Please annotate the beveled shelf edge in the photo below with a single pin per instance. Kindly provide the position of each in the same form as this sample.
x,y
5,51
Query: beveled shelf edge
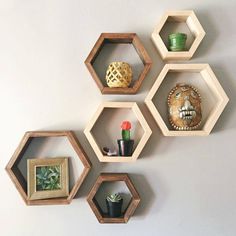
x,y
211,80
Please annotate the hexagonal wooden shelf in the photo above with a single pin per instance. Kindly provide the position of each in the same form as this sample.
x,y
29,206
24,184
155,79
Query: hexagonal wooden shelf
x,y
119,38
19,180
118,105
133,204
194,26
211,82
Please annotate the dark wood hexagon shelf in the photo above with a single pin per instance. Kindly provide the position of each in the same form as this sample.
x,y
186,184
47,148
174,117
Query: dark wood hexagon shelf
x,y
112,177
119,38
19,180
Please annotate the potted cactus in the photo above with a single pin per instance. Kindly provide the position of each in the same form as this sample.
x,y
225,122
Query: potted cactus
x,y
125,145
114,205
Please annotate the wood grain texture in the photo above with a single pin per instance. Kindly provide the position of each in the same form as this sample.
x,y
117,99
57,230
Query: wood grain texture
x,y
132,206
118,105
212,82
119,38
194,26
20,182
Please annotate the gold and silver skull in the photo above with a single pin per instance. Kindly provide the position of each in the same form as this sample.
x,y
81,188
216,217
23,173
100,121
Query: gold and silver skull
x,y
184,103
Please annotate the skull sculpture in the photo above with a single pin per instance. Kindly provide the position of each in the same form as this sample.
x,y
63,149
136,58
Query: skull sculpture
x,y
184,103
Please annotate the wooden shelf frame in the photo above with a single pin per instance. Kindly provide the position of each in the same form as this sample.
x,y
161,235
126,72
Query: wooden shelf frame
x,y
20,182
194,26
112,177
118,105
119,38
212,82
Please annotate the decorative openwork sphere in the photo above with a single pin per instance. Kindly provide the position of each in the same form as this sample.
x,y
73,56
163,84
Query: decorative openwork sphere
x,y
184,102
119,75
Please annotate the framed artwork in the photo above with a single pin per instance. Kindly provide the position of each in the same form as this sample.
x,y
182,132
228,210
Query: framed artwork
x,y
47,178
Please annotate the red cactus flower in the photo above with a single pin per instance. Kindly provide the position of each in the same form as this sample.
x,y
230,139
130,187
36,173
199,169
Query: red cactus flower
x,y
126,125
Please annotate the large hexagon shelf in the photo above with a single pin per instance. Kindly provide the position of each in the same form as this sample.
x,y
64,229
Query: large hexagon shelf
x,y
210,86
94,141
19,180
194,26
112,177
119,38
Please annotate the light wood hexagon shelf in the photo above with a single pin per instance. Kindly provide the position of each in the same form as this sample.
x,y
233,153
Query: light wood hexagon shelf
x,y
112,177
19,180
139,116
119,38
194,26
211,82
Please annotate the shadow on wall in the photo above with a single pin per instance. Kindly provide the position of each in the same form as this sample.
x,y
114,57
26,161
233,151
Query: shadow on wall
x,y
94,172
157,62
211,29
215,34
146,194
157,143
222,67
226,120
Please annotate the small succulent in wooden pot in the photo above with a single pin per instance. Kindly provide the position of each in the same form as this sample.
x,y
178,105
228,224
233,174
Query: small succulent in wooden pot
x,y
184,103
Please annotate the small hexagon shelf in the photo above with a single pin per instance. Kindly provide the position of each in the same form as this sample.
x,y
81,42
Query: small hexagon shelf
x,y
214,99
196,32
19,180
132,205
119,38
95,136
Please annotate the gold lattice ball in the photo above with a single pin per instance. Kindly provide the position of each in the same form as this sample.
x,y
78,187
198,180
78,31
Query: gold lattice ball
x,y
119,74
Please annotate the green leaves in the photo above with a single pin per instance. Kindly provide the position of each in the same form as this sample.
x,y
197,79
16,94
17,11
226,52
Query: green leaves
x,y
48,178
114,197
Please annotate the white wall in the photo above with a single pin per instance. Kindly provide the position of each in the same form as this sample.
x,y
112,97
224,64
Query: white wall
x,y
187,185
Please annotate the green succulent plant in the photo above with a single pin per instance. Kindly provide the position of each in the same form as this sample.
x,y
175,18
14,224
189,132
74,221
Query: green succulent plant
x,y
48,178
114,197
